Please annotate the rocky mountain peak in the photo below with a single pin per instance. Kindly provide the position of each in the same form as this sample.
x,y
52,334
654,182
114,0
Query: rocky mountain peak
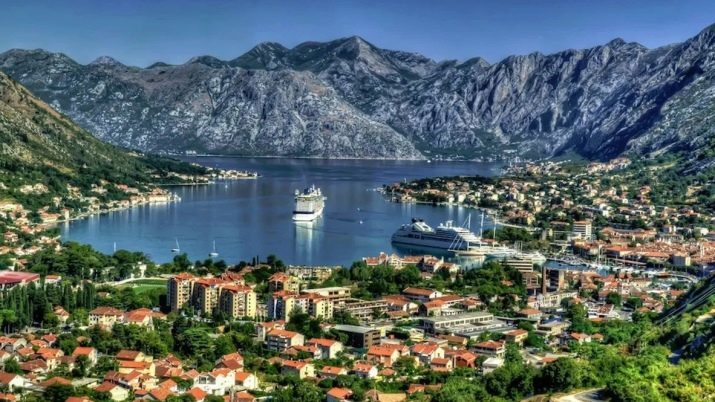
x,y
106,61
209,61
348,97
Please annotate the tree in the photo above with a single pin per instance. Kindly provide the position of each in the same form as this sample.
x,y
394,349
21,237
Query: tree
x,y
408,276
12,366
614,299
458,389
194,342
535,341
58,392
561,375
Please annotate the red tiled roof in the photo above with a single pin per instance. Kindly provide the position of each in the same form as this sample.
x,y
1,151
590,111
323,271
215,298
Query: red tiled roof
x,y
340,393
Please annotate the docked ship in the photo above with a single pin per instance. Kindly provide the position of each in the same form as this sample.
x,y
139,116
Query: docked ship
x,y
309,204
446,236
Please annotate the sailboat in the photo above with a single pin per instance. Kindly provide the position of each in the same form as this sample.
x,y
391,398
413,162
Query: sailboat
x,y
177,249
470,249
497,251
214,253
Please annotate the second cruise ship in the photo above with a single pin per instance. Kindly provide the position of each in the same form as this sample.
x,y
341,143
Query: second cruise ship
x,y
446,236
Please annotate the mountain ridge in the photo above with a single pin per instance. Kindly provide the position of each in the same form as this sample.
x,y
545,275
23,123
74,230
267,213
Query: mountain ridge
x,y
350,98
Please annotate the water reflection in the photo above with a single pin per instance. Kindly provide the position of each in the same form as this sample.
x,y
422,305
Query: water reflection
x,y
254,217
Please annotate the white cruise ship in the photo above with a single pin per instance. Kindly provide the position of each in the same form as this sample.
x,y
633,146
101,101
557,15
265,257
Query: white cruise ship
x,y
446,236
309,204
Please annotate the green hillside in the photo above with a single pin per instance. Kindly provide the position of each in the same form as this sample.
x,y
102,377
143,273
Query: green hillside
x,y
39,146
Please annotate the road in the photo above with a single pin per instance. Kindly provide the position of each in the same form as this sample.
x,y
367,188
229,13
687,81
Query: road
x,y
590,395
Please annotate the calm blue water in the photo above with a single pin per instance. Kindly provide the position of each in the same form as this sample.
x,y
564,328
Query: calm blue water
x,y
253,217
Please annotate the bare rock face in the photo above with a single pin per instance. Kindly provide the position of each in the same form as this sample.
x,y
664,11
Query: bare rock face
x,y
348,98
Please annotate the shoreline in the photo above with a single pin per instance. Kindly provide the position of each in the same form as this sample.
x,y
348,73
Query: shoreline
x,y
341,158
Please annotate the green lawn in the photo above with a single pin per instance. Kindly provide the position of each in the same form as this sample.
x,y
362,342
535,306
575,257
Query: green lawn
x,y
145,285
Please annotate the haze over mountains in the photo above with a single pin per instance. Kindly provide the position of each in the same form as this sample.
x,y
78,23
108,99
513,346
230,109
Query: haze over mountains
x,y
349,98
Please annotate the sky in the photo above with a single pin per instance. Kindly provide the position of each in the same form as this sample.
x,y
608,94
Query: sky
x,y
141,32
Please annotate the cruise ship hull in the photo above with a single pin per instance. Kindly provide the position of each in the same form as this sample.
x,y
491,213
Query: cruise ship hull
x,y
307,216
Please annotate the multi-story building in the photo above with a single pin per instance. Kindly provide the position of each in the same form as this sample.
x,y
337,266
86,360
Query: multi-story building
x,y
582,229
179,290
364,310
279,339
228,293
336,294
315,305
237,301
359,336
282,281
556,279
206,292
444,323
420,294
281,304
105,317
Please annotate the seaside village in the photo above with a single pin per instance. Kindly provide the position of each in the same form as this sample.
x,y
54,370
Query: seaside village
x,y
595,213
25,232
420,327
376,338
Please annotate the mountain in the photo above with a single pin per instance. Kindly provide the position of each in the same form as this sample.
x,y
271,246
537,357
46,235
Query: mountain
x,y
40,146
349,98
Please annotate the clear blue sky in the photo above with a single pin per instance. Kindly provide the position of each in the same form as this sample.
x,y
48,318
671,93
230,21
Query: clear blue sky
x,y
140,32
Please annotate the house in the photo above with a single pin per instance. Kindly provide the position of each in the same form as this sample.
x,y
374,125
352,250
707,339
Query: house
x,y
142,317
116,392
12,344
62,314
127,366
244,396
328,348
338,395
425,352
364,370
297,368
105,317
421,295
377,396
516,335
130,355
232,361
217,382
441,364
55,381
463,358
246,380
530,314
579,337
380,354
490,348
491,364
158,394
89,352
280,339
332,371
198,394
70,399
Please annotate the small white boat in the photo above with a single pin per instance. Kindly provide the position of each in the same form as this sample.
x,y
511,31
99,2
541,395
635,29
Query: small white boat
x,y
176,249
214,253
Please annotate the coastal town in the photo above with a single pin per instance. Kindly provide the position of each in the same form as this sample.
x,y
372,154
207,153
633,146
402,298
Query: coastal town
x,y
289,325
79,326
599,212
26,231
